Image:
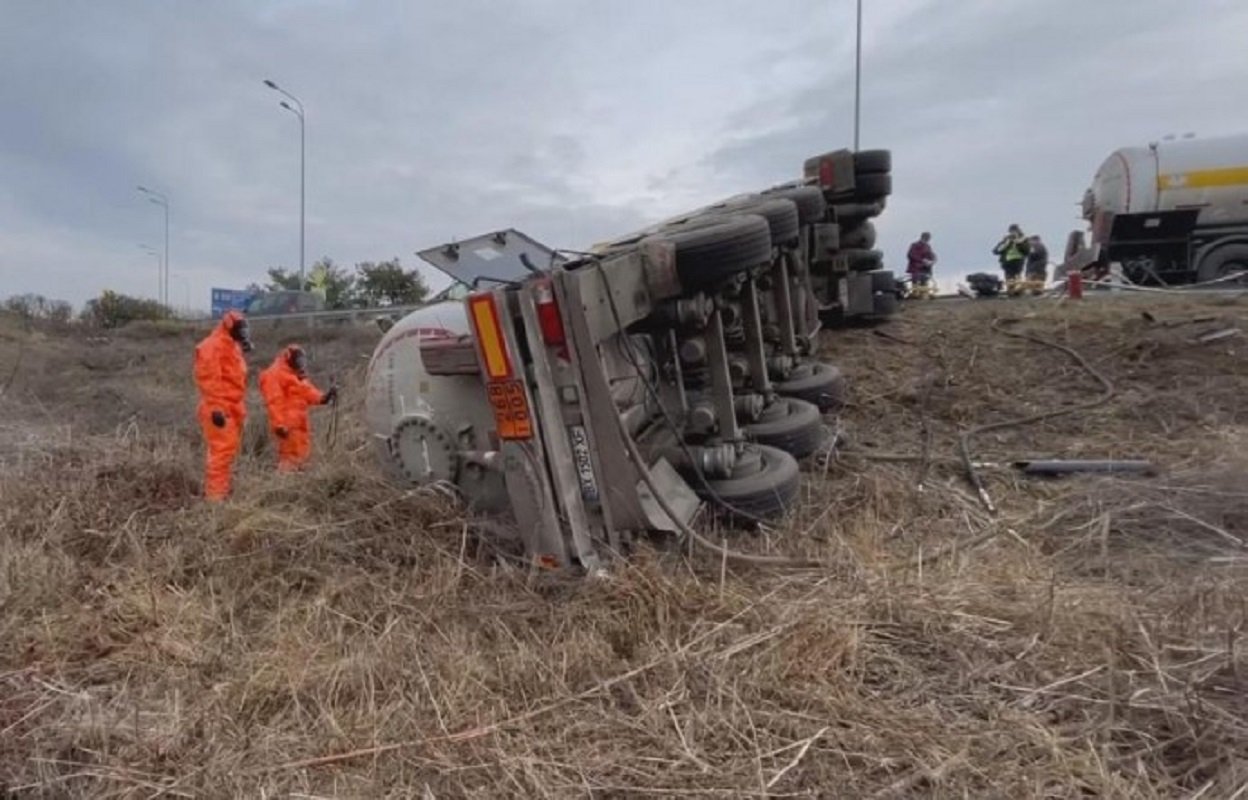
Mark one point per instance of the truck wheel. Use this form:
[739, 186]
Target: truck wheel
[883, 280]
[765, 483]
[815, 382]
[884, 289]
[781, 215]
[872, 186]
[863, 260]
[984, 285]
[885, 305]
[873, 161]
[1224, 262]
[790, 424]
[811, 207]
[852, 212]
[861, 236]
[720, 248]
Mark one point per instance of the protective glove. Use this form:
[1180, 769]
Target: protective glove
[218, 419]
[331, 396]
[281, 432]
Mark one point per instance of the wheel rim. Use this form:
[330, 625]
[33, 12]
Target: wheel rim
[1234, 267]
[748, 463]
[777, 410]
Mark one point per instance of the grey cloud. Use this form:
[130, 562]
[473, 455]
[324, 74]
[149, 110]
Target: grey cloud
[574, 121]
[1000, 112]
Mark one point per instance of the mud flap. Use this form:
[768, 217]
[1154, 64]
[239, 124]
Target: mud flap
[676, 492]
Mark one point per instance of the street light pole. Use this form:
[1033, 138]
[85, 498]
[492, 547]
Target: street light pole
[858, 76]
[159, 280]
[297, 110]
[161, 200]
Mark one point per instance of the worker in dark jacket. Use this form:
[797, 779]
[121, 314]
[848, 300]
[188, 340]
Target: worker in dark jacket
[1037, 270]
[1012, 252]
[920, 259]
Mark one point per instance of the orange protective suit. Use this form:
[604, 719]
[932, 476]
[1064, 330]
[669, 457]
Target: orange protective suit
[221, 375]
[287, 395]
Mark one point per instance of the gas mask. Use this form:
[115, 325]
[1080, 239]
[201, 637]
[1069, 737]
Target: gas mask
[241, 333]
[298, 361]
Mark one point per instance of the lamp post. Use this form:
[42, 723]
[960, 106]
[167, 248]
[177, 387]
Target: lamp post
[161, 200]
[857, 75]
[159, 280]
[297, 110]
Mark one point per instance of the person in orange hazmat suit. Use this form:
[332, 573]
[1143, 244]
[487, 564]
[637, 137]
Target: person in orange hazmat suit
[221, 375]
[287, 395]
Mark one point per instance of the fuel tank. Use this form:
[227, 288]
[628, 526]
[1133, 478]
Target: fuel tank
[1206, 174]
[429, 428]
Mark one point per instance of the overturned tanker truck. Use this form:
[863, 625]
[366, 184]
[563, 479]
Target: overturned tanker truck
[594, 397]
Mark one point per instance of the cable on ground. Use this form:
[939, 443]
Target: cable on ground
[964, 438]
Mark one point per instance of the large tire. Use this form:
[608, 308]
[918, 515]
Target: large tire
[1222, 262]
[710, 253]
[853, 212]
[884, 289]
[883, 281]
[767, 492]
[984, 284]
[815, 382]
[863, 260]
[877, 161]
[793, 425]
[781, 215]
[861, 236]
[811, 207]
[885, 305]
[872, 186]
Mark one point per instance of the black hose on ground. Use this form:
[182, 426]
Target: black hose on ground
[964, 438]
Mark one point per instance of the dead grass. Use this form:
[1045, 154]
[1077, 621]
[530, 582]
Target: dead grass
[328, 635]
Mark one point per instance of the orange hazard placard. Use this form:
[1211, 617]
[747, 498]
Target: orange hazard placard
[511, 409]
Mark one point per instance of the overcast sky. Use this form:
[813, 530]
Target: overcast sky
[572, 120]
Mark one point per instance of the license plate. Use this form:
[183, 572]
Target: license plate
[584, 466]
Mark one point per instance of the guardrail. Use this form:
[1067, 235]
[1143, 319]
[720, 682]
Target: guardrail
[334, 315]
[344, 314]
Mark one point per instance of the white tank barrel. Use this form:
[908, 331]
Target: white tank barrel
[1209, 174]
[422, 423]
[1174, 211]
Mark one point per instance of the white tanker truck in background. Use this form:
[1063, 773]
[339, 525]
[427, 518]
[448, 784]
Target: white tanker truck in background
[592, 397]
[1173, 212]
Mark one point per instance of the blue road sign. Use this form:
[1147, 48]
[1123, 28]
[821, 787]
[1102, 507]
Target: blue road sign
[225, 299]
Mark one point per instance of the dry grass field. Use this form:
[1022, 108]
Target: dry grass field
[327, 635]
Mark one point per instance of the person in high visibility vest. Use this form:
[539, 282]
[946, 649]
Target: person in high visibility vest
[1012, 252]
[318, 281]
